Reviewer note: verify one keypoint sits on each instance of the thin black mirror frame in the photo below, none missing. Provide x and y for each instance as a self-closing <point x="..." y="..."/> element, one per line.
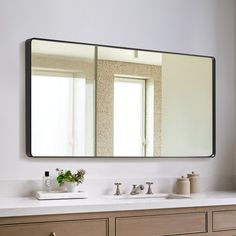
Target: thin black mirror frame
<point x="28" y="124"/>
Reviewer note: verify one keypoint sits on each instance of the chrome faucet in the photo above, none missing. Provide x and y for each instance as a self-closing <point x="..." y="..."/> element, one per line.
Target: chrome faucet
<point x="137" y="189"/>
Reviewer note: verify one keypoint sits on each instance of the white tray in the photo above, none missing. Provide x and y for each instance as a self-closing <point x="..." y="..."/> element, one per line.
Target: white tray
<point x="52" y="195"/>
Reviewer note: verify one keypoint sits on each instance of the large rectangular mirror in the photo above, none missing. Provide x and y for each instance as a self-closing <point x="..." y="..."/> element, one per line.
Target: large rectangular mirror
<point x="86" y="100"/>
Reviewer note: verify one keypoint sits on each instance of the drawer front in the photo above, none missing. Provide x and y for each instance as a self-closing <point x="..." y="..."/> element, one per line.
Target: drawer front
<point x="64" y="228"/>
<point x="224" y="220"/>
<point x="162" y="225"/>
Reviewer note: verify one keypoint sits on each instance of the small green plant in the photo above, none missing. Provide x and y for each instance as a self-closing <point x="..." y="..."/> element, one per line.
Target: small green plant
<point x="68" y="177"/>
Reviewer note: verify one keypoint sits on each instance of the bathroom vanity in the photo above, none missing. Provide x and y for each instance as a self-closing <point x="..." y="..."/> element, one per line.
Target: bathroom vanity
<point x="187" y="221"/>
<point x="214" y="214"/>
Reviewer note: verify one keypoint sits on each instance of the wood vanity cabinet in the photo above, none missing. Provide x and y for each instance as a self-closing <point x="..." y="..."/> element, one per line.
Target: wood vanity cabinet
<point x="61" y="228"/>
<point x="170" y="224"/>
<point x="198" y="221"/>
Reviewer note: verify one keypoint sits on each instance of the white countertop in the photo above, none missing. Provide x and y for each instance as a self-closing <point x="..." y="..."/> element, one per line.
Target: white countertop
<point x="30" y="206"/>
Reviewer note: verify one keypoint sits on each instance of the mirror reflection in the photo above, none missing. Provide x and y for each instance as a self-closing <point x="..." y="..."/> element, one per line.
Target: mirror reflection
<point x="62" y="99"/>
<point x="89" y="100"/>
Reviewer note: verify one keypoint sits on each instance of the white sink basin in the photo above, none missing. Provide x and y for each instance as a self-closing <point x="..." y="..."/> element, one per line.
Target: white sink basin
<point x="147" y="197"/>
<point x="160" y="196"/>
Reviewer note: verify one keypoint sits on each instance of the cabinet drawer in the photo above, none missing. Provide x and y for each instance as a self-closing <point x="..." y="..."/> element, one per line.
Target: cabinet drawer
<point x="65" y="228"/>
<point x="159" y="225"/>
<point x="224" y="220"/>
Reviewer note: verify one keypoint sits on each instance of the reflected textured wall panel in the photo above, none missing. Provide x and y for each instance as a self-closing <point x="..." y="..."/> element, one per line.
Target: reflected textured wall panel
<point x="106" y="71"/>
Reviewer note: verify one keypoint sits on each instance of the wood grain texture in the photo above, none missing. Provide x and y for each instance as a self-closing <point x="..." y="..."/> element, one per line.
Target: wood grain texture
<point x="69" y="228"/>
<point x="197" y="221"/>
<point x="161" y="225"/>
<point x="224" y="220"/>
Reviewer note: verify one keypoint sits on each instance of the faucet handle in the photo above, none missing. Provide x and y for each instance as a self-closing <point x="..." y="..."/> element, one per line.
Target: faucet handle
<point x="117" y="193"/>
<point x="149" y="187"/>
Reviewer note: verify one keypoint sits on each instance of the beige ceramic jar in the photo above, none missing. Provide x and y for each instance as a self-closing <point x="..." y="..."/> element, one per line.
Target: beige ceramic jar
<point x="183" y="186"/>
<point x="194" y="182"/>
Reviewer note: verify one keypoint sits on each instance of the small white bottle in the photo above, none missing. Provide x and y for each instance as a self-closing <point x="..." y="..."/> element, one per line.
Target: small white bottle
<point x="46" y="181"/>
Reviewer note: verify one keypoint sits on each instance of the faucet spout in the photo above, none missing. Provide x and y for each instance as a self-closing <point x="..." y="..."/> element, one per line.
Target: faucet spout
<point x="137" y="189"/>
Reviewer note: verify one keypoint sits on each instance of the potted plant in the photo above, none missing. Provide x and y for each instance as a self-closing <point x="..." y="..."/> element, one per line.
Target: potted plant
<point x="70" y="180"/>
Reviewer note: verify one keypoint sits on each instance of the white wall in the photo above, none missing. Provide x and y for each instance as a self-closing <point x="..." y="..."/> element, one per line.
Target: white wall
<point x="187" y="26"/>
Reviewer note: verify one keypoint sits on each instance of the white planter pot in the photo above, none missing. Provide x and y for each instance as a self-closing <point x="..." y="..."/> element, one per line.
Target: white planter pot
<point x="71" y="187"/>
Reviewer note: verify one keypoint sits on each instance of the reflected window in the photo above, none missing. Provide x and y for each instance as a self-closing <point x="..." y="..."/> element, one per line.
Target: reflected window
<point x="59" y="110"/>
<point x="129" y="117"/>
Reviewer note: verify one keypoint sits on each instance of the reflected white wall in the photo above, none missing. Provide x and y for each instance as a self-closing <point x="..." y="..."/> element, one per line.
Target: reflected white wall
<point x="186" y="106"/>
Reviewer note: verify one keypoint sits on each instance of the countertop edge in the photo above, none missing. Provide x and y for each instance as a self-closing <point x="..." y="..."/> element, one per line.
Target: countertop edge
<point x="15" y="207"/>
